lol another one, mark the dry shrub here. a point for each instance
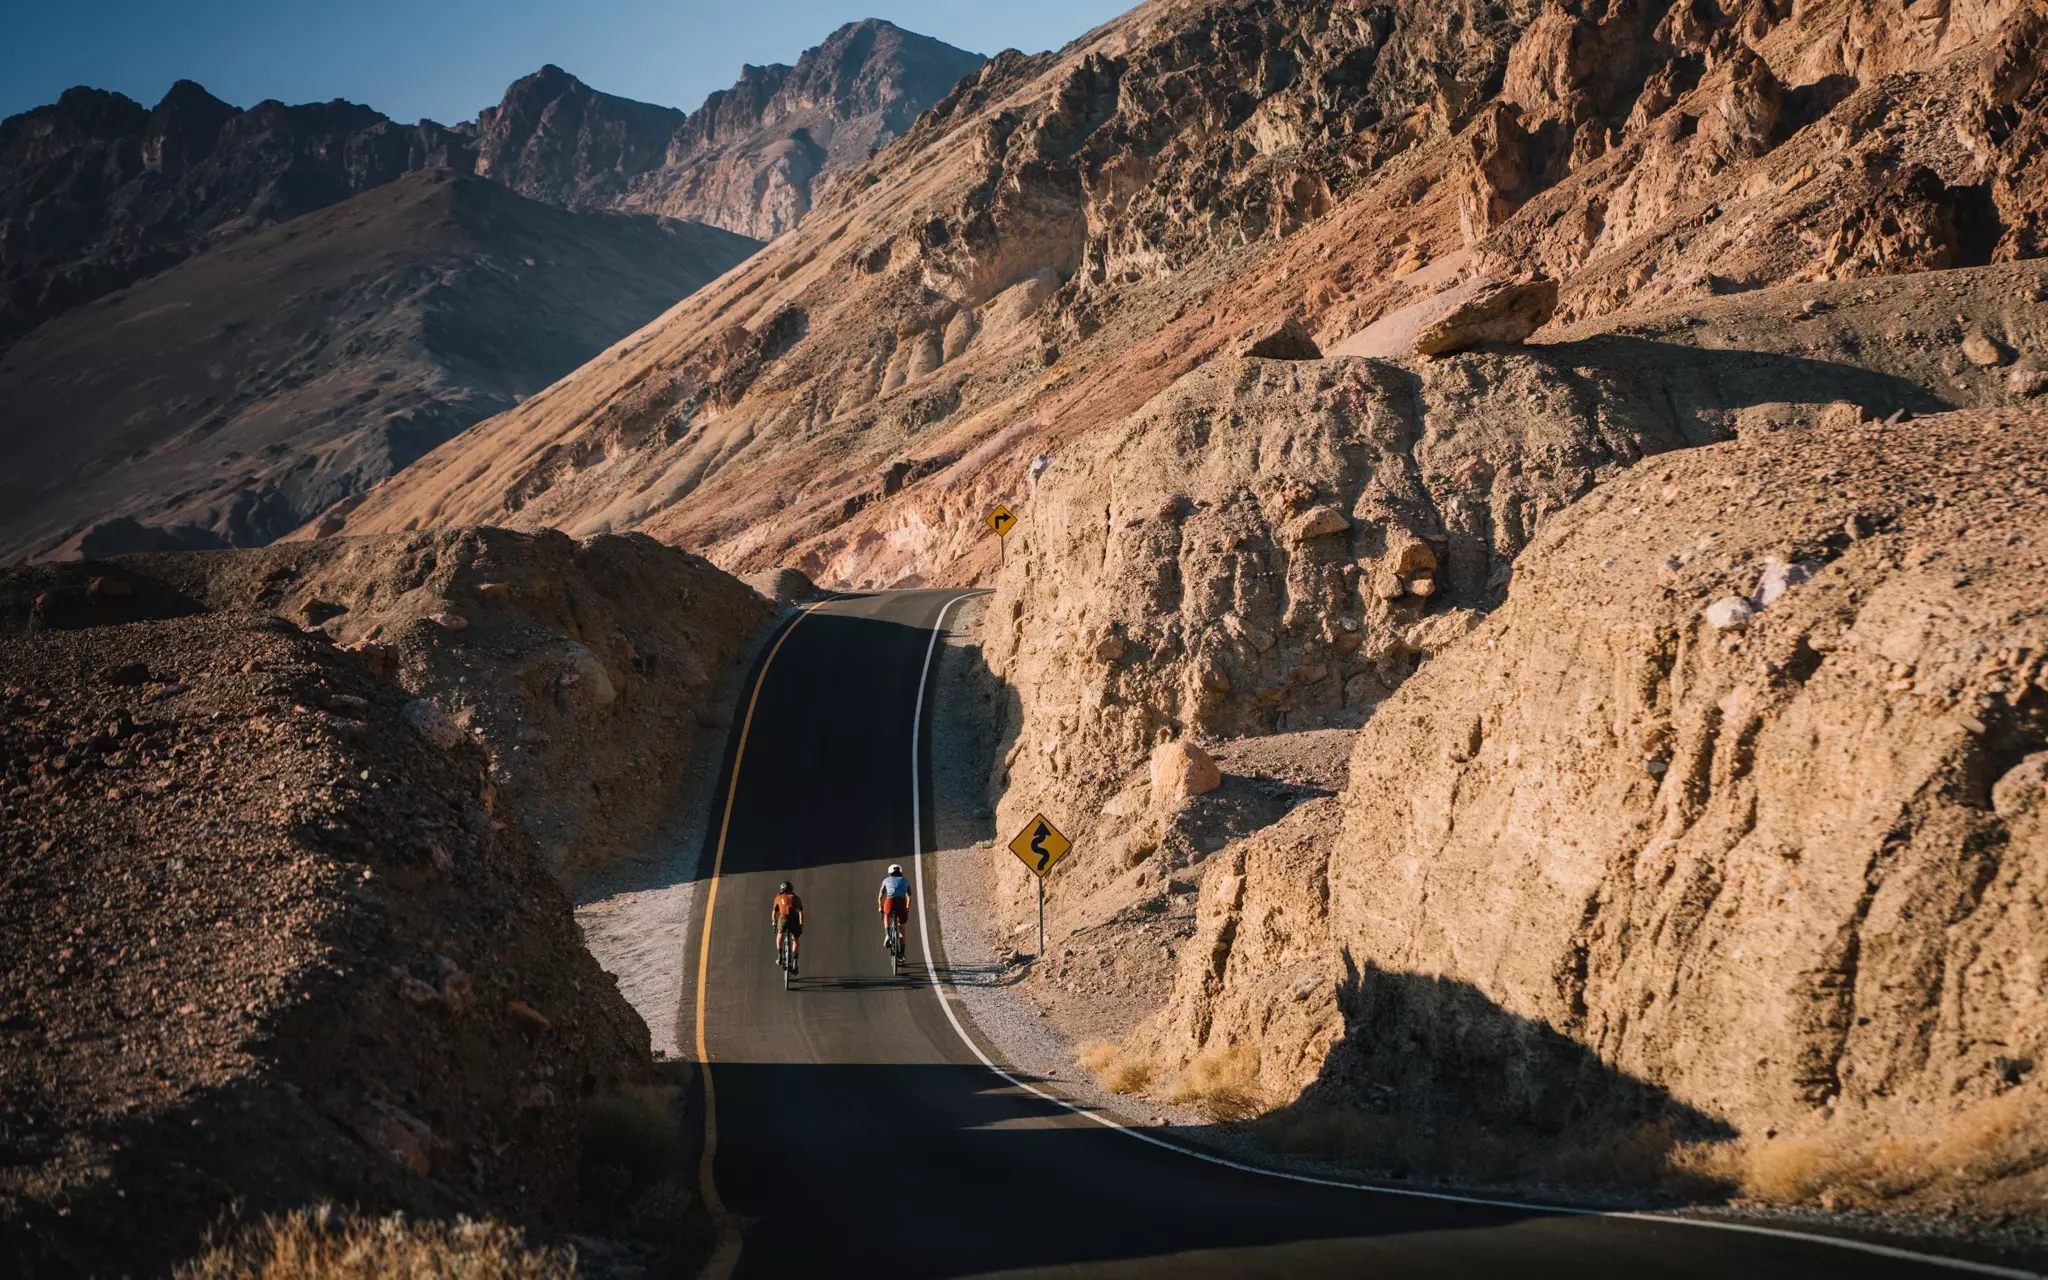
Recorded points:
(1866, 1165)
(1997, 1138)
(1098, 1056)
(325, 1244)
(1116, 1069)
(1223, 1080)
(1653, 1153)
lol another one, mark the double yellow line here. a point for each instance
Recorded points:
(727, 1255)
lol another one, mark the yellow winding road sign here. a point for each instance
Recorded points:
(1002, 520)
(1040, 845)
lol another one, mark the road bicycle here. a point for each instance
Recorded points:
(785, 957)
(895, 936)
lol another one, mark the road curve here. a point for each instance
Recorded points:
(850, 1128)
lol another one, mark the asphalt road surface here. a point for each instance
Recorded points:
(851, 1129)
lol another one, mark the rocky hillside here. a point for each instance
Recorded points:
(1064, 236)
(97, 191)
(279, 920)
(751, 159)
(1738, 799)
(233, 397)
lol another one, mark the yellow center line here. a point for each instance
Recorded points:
(727, 1255)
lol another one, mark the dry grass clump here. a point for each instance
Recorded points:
(1117, 1070)
(323, 1243)
(1223, 1080)
(1869, 1164)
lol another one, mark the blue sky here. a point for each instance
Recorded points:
(443, 59)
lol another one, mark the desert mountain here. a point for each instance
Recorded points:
(1065, 235)
(750, 159)
(227, 400)
(97, 191)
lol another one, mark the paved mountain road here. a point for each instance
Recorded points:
(852, 1130)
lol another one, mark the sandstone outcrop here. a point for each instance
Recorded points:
(1780, 885)
(586, 672)
(1505, 311)
(1278, 545)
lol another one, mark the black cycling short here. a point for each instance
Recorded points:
(793, 927)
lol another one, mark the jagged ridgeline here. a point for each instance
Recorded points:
(1066, 234)
(216, 323)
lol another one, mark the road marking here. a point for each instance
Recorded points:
(727, 1255)
(945, 1002)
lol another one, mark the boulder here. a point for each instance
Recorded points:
(1317, 522)
(431, 723)
(1504, 311)
(1287, 340)
(1981, 351)
(783, 586)
(1181, 770)
(1730, 613)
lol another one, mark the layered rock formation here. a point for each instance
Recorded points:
(233, 397)
(1065, 235)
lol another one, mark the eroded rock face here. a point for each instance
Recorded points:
(1792, 874)
(1160, 194)
(1505, 311)
(1276, 546)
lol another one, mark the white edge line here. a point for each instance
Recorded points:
(946, 1003)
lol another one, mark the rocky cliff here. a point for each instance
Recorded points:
(1726, 825)
(1064, 236)
(240, 393)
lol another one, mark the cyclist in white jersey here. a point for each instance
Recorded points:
(894, 900)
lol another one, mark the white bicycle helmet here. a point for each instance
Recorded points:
(895, 870)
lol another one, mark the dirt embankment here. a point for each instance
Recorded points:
(1717, 852)
(587, 671)
(283, 919)
(267, 944)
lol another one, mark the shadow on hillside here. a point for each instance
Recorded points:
(1433, 1079)
(1698, 384)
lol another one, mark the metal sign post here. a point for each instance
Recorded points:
(1002, 520)
(1040, 846)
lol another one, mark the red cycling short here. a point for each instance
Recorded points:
(897, 907)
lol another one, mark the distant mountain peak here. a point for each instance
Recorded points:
(747, 158)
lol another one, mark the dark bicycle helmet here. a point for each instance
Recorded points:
(785, 888)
